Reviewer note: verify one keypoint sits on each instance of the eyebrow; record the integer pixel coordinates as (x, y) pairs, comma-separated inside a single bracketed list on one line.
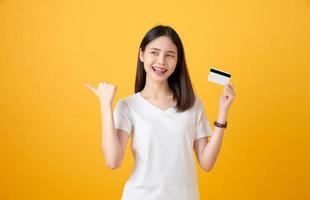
[(167, 51)]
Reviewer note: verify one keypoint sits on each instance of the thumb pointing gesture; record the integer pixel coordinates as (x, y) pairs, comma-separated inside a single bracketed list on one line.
[(105, 92), (91, 88)]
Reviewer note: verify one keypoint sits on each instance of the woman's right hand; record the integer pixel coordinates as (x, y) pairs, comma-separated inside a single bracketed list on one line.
[(105, 92)]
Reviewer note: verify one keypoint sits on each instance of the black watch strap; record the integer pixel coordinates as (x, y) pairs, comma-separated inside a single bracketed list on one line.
[(220, 125)]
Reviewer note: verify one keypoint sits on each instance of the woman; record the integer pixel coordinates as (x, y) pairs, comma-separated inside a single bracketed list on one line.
[(166, 121)]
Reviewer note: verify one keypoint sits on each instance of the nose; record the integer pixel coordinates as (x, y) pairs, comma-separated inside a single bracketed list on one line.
[(161, 59)]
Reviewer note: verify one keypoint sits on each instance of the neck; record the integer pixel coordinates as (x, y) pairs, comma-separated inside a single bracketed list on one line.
[(156, 89)]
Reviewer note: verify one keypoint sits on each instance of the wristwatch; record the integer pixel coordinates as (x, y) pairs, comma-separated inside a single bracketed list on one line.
[(220, 125)]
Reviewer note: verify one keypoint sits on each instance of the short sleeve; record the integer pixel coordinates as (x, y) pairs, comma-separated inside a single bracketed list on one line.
[(122, 117), (202, 128)]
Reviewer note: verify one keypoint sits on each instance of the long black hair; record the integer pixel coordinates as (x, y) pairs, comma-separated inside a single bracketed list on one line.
[(179, 81)]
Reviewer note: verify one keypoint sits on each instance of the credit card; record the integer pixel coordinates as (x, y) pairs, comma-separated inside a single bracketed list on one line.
[(218, 76)]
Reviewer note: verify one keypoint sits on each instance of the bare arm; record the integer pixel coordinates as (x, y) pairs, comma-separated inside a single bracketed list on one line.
[(114, 140), (207, 151), (110, 142)]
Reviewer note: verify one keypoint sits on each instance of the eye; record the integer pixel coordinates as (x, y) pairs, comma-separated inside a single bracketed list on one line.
[(154, 53), (170, 55)]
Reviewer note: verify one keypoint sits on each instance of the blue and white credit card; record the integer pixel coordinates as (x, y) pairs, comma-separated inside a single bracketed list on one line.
[(218, 76)]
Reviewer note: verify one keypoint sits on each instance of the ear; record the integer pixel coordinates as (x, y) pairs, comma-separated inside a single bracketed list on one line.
[(141, 55)]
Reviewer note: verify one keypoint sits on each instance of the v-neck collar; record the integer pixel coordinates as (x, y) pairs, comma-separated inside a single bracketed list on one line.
[(168, 110)]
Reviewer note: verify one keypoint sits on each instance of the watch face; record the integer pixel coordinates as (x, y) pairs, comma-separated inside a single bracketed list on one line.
[(220, 125)]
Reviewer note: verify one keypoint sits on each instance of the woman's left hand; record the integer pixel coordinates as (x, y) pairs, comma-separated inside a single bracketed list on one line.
[(226, 98)]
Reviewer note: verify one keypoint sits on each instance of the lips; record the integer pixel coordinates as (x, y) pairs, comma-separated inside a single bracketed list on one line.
[(159, 69)]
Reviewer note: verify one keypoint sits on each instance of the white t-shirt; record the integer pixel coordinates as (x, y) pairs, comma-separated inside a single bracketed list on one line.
[(163, 148)]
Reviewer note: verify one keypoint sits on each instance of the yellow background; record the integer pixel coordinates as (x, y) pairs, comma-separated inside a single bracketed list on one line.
[(50, 141)]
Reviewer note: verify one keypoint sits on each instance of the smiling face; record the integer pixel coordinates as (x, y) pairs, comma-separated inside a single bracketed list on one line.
[(159, 58)]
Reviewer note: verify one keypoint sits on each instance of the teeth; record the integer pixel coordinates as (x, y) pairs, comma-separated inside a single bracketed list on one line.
[(160, 69)]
